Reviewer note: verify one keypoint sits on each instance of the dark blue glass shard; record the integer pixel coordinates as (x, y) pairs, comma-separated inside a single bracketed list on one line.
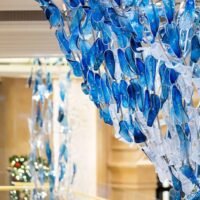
[(48, 153), (155, 107), (114, 17), (124, 95), (110, 62), (135, 45), (150, 72), (190, 6), (124, 64), (63, 41), (195, 49), (76, 68), (129, 54), (105, 115), (132, 98), (124, 131), (189, 173), (139, 137), (74, 3), (116, 94), (169, 9), (84, 68), (99, 88), (61, 115), (172, 38), (85, 88), (178, 106), (53, 15), (118, 2), (147, 104), (173, 76), (97, 15)]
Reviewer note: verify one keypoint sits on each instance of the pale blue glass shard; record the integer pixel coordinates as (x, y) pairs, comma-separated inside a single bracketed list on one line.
[(105, 115), (124, 131), (124, 64), (76, 67), (99, 88), (53, 15), (150, 72), (62, 171), (63, 41), (124, 95), (62, 91), (183, 142), (178, 106), (153, 18), (175, 195), (189, 173), (116, 94), (155, 107), (63, 152), (48, 153), (73, 41), (172, 38), (110, 62), (195, 49), (169, 9)]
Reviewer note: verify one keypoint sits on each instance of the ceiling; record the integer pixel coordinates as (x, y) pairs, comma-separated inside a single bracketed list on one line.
[(24, 32)]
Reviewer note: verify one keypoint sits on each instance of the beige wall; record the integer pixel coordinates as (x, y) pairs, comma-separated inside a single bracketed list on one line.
[(15, 104)]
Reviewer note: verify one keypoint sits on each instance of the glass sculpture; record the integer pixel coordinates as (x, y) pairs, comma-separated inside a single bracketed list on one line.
[(139, 60), (50, 135)]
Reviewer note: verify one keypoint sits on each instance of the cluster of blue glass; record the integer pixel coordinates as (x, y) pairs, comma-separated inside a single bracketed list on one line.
[(57, 153), (139, 61)]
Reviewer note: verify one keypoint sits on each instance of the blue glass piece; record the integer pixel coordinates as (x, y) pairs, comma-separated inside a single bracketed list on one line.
[(84, 46), (76, 68), (124, 95), (169, 9), (85, 88), (114, 17), (132, 98), (116, 94), (105, 89), (99, 88), (189, 173), (139, 137), (195, 49), (110, 62), (147, 103), (190, 6), (175, 195), (63, 41), (49, 82), (124, 64), (129, 54), (139, 94), (48, 152), (74, 3), (195, 196), (124, 131), (62, 171), (61, 114), (39, 119), (178, 106), (118, 2), (153, 18), (135, 45), (172, 38), (97, 15), (150, 72), (173, 76), (73, 41), (74, 173), (84, 68), (62, 91), (105, 115), (53, 15), (155, 107), (183, 141), (63, 152)]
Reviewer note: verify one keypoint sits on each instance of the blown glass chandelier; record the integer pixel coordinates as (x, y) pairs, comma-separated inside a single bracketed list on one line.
[(139, 60)]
